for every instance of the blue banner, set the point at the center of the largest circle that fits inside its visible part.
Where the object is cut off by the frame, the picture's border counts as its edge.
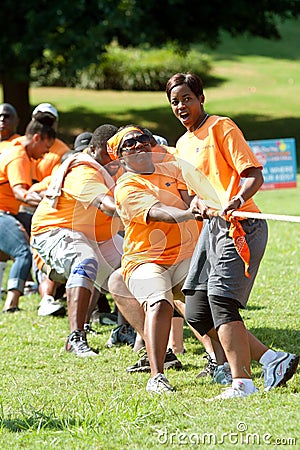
(278, 158)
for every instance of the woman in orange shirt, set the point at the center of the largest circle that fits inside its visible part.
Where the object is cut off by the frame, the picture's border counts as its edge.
(219, 166)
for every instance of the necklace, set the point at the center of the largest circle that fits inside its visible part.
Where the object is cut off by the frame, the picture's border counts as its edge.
(202, 121)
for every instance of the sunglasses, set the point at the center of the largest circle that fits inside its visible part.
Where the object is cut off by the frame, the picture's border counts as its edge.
(129, 144)
(5, 115)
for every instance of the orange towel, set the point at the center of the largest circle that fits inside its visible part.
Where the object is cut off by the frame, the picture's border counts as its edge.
(237, 233)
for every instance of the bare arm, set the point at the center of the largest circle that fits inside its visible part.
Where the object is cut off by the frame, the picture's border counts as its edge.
(253, 181)
(22, 194)
(106, 204)
(170, 214)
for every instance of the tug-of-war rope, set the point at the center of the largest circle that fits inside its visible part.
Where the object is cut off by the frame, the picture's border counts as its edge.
(252, 215)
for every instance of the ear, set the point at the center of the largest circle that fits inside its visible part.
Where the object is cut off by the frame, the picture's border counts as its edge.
(36, 138)
(92, 150)
(202, 98)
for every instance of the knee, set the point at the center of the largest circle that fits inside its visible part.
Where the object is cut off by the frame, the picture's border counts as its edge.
(117, 286)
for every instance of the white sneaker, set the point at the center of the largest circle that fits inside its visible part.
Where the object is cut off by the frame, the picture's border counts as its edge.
(279, 371)
(50, 307)
(159, 384)
(236, 391)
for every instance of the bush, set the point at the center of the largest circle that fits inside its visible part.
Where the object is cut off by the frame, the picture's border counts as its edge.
(140, 69)
(125, 69)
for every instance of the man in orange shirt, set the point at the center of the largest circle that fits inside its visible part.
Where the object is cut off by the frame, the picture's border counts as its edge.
(8, 131)
(75, 234)
(9, 121)
(156, 257)
(15, 180)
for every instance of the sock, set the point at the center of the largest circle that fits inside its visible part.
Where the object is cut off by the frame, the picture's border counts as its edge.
(267, 357)
(213, 356)
(248, 382)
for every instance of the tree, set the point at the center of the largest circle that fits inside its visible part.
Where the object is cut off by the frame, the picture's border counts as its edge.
(76, 33)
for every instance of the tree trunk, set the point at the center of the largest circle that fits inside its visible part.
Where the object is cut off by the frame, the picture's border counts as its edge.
(17, 93)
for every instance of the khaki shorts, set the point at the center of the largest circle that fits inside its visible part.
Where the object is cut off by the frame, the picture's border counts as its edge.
(151, 283)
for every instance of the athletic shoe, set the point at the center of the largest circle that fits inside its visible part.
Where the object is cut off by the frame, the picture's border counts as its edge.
(279, 371)
(237, 391)
(77, 344)
(159, 384)
(51, 307)
(108, 319)
(209, 368)
(123, 334)
(171, 361)
(222, 374)
(88, 329)
(30, 288)
(143, 364)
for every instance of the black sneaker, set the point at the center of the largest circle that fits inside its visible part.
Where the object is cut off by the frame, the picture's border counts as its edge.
(209, 368)
(77, 344)
(143, 364)
(123, 334)
(171, 361)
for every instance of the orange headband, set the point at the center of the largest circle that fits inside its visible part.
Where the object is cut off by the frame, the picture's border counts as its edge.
(114, 142)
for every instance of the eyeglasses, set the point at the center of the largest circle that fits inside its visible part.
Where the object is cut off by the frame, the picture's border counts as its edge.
(5, 115)
(129, 144)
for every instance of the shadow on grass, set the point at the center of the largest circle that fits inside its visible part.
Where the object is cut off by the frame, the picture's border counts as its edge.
(283, 339)
(39, 422)
(279, 338)
(162, 122)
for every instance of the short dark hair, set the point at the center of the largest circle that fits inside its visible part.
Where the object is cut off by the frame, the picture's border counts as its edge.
(192, 80)
(36, 127)
(102, 134)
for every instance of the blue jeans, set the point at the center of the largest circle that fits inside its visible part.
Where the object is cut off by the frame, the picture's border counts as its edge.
(14, 242)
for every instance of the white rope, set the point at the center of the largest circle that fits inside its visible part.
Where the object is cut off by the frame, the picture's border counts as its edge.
(252, 215)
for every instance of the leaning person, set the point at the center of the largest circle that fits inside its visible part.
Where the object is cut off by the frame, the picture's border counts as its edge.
(74, 233)
(219, 166)
(160, 235)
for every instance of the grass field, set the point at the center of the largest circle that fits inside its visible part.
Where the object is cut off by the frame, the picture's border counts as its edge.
(52, 400)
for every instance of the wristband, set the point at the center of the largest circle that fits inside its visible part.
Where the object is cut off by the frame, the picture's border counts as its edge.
(240, 198)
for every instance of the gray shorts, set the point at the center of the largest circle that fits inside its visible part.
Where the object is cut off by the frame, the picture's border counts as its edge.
(84, 263)
(216, 265)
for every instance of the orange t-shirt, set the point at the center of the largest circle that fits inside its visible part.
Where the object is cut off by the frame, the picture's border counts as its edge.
(74, 210)
(213, 158)
(15, 168)
(145, 241)
(7, 143)
(162, 153)
(43, 167)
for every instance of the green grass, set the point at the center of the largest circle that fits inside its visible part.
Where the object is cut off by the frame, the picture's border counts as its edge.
(50, 399)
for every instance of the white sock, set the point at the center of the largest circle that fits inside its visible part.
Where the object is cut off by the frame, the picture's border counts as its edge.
(213, 356)
(248, 382)
(268, 357)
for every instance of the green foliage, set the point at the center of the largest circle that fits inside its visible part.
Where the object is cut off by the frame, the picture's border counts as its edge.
(121, 68)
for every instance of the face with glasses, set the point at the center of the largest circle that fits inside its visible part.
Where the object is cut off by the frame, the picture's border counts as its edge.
(8, 122)
(135, 152)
